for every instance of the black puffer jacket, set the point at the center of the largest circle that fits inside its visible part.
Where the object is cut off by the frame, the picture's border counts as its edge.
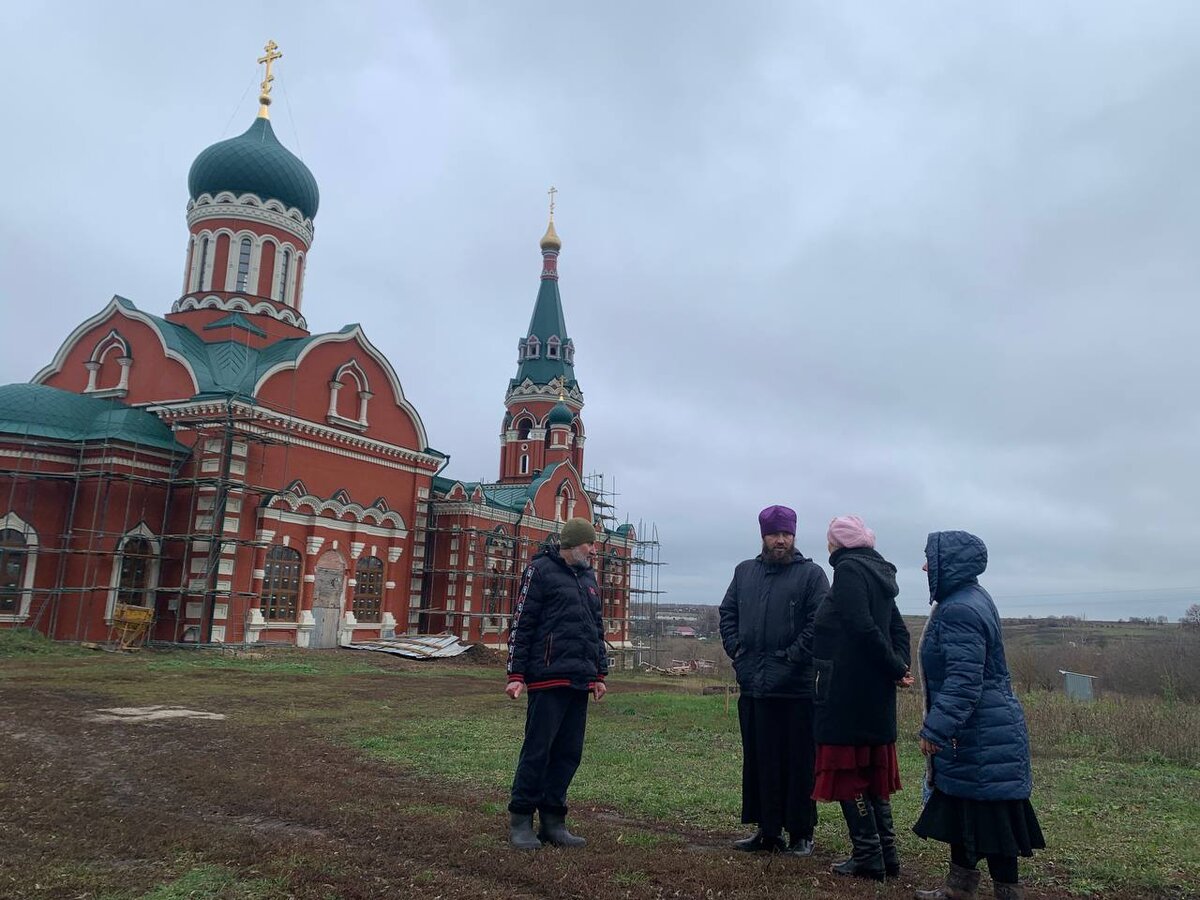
(766, 625)
(861, 649)
(557, 634)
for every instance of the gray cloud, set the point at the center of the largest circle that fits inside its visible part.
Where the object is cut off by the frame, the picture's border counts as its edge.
(932, 265)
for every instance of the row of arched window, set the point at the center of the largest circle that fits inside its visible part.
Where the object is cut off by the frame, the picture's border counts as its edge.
(248, 256)
(137, 577)
(531, 348)
(283, 575)
(134, 578)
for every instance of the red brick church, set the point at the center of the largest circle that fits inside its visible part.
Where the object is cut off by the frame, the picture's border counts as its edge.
(245, 480)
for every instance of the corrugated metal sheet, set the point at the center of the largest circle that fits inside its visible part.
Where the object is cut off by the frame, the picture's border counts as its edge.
(416, 646)
(1077, 686)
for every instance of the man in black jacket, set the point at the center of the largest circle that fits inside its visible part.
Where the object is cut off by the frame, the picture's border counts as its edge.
(766, 628)
(556, 652)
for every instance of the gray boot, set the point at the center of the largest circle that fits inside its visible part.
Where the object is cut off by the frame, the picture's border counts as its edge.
(961, 884)
(1008, 891)
(554, 831)
(520, 831)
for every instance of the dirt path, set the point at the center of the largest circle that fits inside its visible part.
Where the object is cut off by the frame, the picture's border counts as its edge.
(95, 804)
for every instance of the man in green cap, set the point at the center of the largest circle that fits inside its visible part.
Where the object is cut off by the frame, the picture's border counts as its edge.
(556, 652)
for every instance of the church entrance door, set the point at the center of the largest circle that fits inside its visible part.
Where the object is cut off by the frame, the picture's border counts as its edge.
(329, 595)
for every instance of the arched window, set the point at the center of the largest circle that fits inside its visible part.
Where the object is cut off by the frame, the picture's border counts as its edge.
(284, 265)
(532, 348)
(203, 262)
(552, 345)
(135, 584)
(368, 591)
(281, 584)
(565, 503)
(523, 429)
(13, 559)
(243, 267)
(524, 463)
(498, 553)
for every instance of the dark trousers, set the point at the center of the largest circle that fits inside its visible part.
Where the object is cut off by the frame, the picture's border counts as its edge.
(555, 719)
(778, 756)
(1003, 869)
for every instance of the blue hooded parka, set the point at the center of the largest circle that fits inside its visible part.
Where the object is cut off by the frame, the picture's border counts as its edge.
(971, 714)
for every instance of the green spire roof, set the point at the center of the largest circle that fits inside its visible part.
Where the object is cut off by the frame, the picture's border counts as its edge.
(256, 163)
(547, 322)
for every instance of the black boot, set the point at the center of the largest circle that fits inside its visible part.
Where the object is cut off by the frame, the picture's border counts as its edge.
(760, 842)
(866, 860)
(520, 831)
(887, 836)
(1004, 891)
(554, 831)
(801, 846)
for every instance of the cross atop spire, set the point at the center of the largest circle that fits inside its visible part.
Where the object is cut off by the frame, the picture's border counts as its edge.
(264, 97)
(550, 241)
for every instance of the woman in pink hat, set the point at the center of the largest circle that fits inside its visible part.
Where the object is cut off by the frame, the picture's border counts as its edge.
(860, 654)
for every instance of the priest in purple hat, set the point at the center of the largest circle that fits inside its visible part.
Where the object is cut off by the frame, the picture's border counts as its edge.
(767, 628)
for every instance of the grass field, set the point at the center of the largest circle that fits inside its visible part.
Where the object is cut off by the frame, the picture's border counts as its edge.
(658, 789)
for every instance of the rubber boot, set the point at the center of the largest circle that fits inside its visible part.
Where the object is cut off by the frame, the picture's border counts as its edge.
(961, 884)
(520, 831)
(866, 859)
(554, 831)
(887, 836)
(1008, 891)
(760, 842)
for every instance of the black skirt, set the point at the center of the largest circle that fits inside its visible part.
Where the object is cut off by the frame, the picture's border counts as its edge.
(983, 827)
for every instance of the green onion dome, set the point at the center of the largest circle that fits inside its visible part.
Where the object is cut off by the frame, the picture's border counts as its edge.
(560, 414)
(255, 163)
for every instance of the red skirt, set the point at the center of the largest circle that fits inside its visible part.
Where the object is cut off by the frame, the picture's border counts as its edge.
(843, 772)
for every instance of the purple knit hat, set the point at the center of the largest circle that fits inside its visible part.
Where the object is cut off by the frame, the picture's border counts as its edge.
(850, 531)
(777, 518)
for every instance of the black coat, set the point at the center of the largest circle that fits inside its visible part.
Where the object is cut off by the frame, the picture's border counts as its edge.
(861, 649)
(766, 625)
(557, 633)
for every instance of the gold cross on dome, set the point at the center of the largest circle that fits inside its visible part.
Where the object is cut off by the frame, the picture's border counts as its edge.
(553, 190)
(272, 54)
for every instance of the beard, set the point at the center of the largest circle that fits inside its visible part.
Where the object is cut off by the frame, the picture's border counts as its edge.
(776, 554)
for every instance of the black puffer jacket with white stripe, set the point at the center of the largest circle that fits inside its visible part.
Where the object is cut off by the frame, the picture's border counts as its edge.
(557, 633)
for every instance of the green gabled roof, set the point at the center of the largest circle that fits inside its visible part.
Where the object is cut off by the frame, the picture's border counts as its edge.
(547, 320)
(502, 496)
(255, 162)
(226, 367)
(236, 320)
(35, 410)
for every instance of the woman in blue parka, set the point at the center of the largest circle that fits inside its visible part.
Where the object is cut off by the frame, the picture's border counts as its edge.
(973, 736)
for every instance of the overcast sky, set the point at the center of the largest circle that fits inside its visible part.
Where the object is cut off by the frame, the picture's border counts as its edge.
(932, 263)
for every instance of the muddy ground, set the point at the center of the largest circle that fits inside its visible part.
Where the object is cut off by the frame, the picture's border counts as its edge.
(97, 805)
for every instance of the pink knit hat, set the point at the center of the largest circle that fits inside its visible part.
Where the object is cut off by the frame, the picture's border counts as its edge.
(850, 531)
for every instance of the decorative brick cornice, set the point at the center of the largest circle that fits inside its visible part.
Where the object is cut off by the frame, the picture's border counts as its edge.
(527, 390)
(260, 420)
(237, 303)
(250, 206)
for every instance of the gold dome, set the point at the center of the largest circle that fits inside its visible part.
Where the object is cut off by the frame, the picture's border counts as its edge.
(550, 240)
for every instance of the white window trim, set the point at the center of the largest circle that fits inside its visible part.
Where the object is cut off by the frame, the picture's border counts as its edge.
(151, 573)
(16, 523)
